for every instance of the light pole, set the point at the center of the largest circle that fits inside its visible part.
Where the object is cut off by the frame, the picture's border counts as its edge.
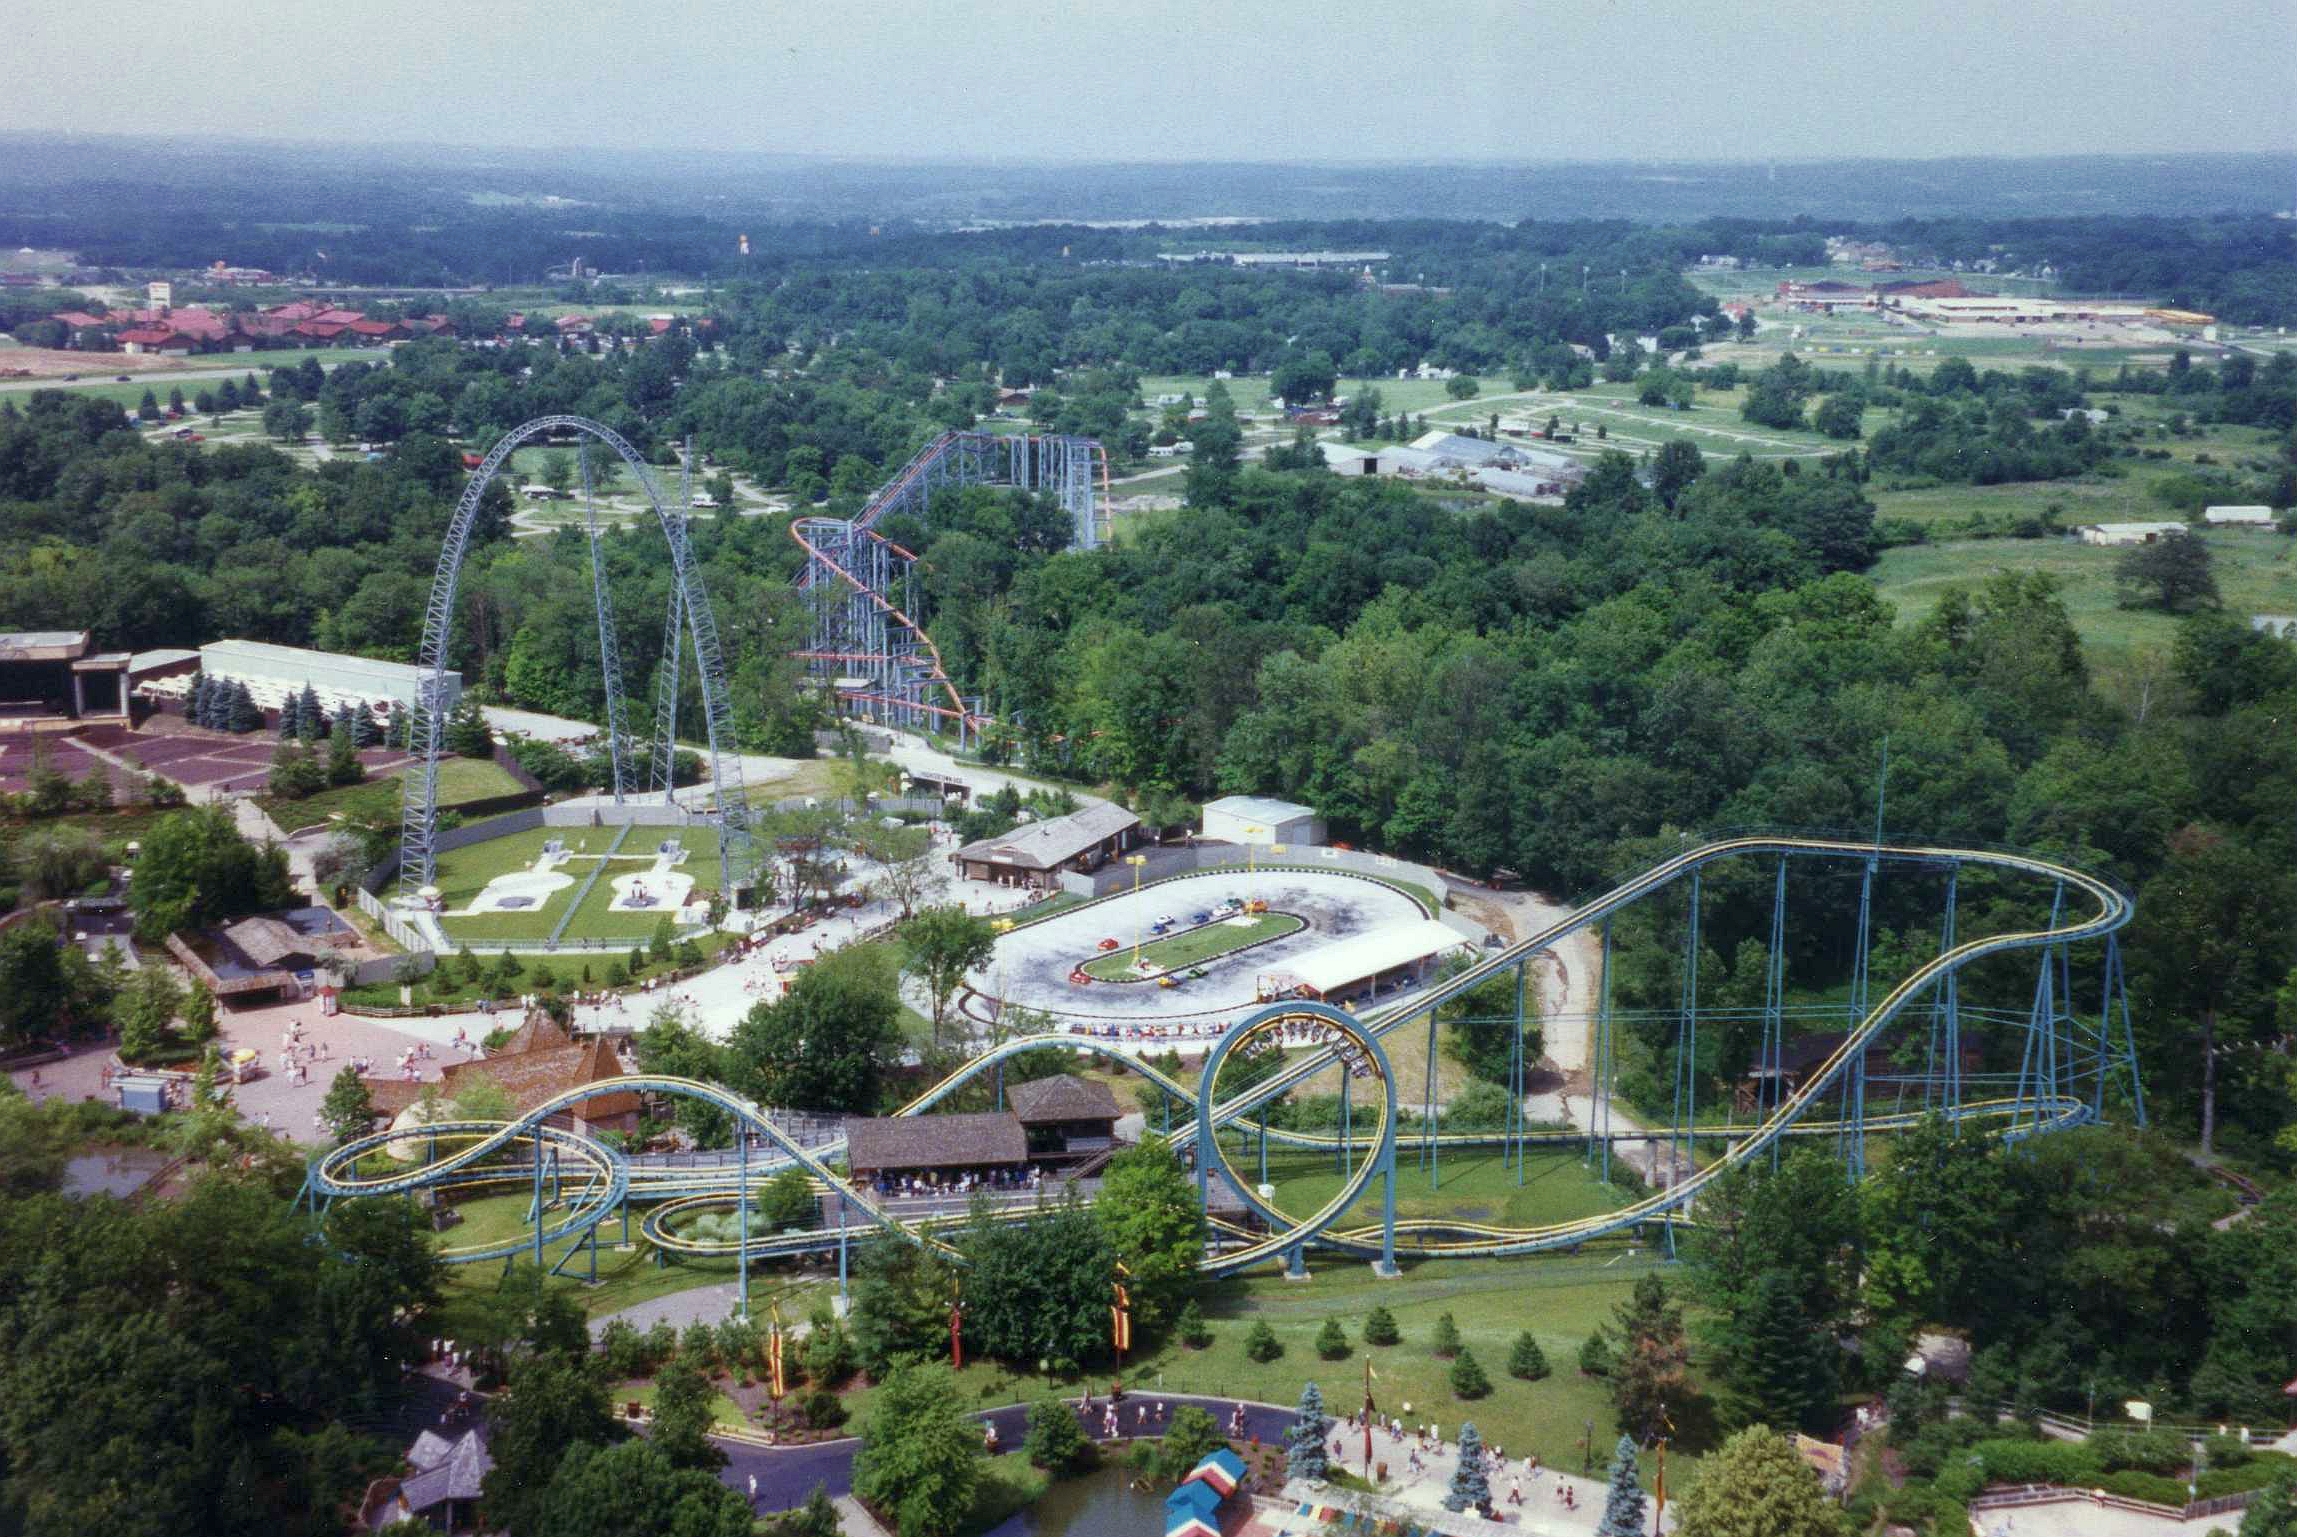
(1136, 861)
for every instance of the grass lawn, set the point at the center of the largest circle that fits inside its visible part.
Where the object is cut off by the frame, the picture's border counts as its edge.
(596, 919)
(626, 1277)
(1472, 1185)
(822, 778)
(461, 781)
(2256, 572)
(1194, 945)
(1560, 1300)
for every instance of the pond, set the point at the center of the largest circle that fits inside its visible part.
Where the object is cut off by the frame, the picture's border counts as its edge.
(1097, 1505)
(113, 1171)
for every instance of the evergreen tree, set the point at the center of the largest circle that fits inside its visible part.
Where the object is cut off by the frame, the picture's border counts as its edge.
(1468, 1379)
(1306, 1451)
(1771, 1373)
(227, 395)
(244, 716)
(250, 392)
(1380, 1327)
(195, 702)
(1190, 1328)
(1261, 1344)
(467, 734)
(1447, 1336)
(148, 409)
(1653, 1359)
(310, 715)
(1623, 1504)
(290, 718)
(1595, 1359)
(1331, 1342)
(1527, 1360)
(343, 766)
(348, 1109)
(1471, 1483)
(397, 732)
(362, 727)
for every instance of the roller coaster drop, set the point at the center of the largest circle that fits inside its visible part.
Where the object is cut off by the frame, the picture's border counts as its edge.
(863, 586)
(2070, 1060)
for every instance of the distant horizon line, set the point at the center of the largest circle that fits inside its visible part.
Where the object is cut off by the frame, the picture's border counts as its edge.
(884, 159)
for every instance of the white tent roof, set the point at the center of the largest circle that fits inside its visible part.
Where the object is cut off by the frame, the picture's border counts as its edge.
(1335, 965)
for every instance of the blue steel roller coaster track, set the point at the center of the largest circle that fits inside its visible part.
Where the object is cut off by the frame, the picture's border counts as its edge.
(578, 1184)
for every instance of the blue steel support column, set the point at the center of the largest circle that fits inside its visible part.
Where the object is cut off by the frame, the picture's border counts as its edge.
(1942, 1078)
(1681, 1131)
(843, 1296)
(1599, 1091)
(2035, 1068)
(1428, 1110)
(742, 1214)
(538, 1206)
(1770, 1085)
(1515, 1087)
(1850, 1142)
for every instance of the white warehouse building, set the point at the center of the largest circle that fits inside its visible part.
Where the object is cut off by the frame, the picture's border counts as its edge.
(271, 673)
(2130, 533)
(1262, 820)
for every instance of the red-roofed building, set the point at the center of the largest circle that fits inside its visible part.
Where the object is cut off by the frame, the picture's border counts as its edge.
(152, 339)
(321, 331)
(301, 309)
(378, 330)
(573, 325)
(338, 317)
(80, 320)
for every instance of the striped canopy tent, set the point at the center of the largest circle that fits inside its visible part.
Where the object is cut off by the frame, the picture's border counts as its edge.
(1192, 1510)
(1221, 1469)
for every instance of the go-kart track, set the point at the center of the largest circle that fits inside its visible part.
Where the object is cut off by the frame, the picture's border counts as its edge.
(1036, 965)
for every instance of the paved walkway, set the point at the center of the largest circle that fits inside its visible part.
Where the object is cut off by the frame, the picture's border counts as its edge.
(786, 1475)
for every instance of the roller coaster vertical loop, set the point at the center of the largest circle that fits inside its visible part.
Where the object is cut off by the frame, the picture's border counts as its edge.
(418, 838)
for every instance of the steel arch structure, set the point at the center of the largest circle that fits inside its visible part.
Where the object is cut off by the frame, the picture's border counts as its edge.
(691, 617)
(2062, 1082)
(863, 585)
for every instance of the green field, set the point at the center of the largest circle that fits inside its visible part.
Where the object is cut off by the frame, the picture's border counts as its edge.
(463, 873)
(1560, 1300)
(2256, 573)
(1197, 944)
(1475, 1185)
(461, 781)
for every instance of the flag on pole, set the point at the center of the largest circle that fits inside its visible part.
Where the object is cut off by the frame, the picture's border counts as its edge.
(1368, 1412)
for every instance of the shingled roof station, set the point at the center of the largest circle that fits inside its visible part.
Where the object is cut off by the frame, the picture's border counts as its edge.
(1065, 1115)
(443, 1486)
(1031, 854)
(939, 1144)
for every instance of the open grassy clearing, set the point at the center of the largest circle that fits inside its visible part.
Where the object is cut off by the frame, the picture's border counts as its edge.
(461, 781)
(626, 1276)
(2256, 573)
(1198, 944)
(1560, 1300)
(1473, 1185)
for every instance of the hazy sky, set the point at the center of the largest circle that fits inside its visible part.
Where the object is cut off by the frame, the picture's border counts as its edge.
(1187, 79)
